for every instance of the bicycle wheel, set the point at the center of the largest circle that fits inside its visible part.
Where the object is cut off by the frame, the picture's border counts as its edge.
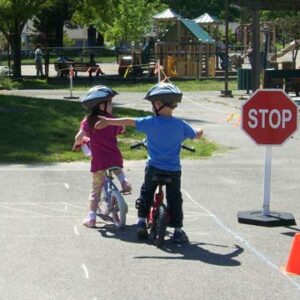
(119, 209)
(160, 226)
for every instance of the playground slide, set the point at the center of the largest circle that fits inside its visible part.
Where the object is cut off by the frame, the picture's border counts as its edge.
(287, 49)
(171, 67)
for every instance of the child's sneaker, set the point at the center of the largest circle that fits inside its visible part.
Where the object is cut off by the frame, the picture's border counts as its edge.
(126, 187)
(180, 236)
(142, 231)
(90, 223)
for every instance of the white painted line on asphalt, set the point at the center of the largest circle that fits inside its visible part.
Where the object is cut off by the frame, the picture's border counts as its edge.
(244, 242)
(38, 217)
(72, 205)
(51, 208)
(41, 169)
(23, 210)
(54, 183)
(86, 272)
(203, 106)
(76, 230)
(27, 203)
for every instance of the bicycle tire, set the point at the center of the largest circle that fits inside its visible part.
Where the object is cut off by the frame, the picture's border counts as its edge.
(160, 226)
(119, 209)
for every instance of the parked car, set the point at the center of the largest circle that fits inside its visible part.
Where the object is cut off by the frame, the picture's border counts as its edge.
(27, 53)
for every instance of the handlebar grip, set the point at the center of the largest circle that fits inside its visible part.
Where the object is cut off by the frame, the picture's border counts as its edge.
(137, 145)
(188, 148)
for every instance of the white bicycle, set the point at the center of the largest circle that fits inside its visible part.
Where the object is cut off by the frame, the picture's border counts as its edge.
(114, 203)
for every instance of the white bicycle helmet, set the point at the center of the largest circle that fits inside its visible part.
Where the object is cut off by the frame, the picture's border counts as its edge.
(166, 93)
(96, 95)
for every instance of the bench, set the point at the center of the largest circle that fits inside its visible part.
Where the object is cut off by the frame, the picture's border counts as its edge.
(63, 69)
(288, 78)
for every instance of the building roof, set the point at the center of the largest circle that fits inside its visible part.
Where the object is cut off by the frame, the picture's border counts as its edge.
(167, 14)
(269, 4)
(197, 31)
(207, 19)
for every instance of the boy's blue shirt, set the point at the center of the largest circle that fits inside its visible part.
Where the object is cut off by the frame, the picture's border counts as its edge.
(164, 137)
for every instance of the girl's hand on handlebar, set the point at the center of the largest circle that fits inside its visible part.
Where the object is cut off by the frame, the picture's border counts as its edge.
(199, 133)
(76, 146)
(102, 123)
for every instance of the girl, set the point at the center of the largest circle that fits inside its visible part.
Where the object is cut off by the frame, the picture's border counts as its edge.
(104, 149)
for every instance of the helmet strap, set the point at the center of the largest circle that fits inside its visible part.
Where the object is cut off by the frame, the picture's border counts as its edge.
(157, 110)
(172, 106)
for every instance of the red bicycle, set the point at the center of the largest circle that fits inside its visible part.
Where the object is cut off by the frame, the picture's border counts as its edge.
(159, 217)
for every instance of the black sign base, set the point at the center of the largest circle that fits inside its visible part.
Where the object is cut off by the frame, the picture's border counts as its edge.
(273, 219)
(71, 97)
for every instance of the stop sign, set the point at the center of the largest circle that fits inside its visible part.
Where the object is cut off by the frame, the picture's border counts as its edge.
(269, 117)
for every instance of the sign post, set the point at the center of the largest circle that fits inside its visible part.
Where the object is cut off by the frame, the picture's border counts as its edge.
(71, 75)
(269, 117)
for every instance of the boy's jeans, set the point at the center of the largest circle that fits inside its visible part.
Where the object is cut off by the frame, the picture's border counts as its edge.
(173, 195)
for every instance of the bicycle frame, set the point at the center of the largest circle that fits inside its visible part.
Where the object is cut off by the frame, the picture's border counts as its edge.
(158, 200)
(109, 186)
(115, 203)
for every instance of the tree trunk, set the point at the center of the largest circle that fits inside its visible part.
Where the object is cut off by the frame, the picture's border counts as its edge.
(15, 43)
(59, 34)
(91, 36)
(100, 40)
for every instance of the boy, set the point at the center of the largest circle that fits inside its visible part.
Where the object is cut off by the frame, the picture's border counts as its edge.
(164, 134)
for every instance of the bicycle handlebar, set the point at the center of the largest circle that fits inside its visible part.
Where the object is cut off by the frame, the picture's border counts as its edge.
(138, 145)
(188, 148)
(144, 144)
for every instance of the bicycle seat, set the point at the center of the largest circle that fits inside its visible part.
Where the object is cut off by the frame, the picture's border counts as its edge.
(161, 179)
(113, 168)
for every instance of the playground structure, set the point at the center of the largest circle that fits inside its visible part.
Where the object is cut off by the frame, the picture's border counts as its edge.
(180, 46)
(186, 50)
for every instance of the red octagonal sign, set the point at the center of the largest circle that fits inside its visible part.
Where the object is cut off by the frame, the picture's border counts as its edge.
(269, 117)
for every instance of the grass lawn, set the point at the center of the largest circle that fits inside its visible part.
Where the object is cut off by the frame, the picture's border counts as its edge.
(39, 130)
(126, 85)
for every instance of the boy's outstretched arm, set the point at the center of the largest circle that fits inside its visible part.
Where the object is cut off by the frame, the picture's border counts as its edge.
(103, 122)
(199, 133)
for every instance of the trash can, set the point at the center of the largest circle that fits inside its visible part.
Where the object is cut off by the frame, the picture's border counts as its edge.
(244, 77)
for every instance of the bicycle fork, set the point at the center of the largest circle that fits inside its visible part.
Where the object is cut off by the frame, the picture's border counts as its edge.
(158, 198)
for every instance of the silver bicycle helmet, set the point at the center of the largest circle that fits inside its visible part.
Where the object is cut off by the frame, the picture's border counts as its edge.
(166, 93)
(96, 95)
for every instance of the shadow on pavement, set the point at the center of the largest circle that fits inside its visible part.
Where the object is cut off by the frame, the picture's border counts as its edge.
(194, 251)
(186, 251)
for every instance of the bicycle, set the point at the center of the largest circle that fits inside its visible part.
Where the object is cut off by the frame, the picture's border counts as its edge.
(115, 204)
(159, 217)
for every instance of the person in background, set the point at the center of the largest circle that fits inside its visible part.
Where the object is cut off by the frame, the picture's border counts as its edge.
(94, 67)
(38, 55)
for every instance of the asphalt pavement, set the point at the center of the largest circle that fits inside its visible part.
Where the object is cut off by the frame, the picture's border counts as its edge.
(47, 254)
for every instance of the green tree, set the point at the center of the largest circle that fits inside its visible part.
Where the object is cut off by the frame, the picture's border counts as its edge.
(96, 14)
(50, 20)
(134, 20)
(13, 16)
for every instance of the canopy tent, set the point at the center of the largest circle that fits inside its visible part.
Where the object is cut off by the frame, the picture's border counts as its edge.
(209, 22)
(167, 14)
(207, 19)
